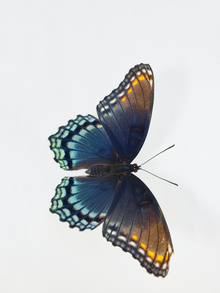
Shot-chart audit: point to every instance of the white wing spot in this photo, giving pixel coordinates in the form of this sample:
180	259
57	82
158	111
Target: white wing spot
75	218
169	248
132	243
121	237
127	86
164	266
121	94
66	212
113	101
114	233
141	251
149	259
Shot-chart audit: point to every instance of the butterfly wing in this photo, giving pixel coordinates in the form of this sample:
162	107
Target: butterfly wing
136	223
82	143
83	202
126	112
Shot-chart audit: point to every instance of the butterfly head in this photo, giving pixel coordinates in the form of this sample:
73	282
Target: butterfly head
135	168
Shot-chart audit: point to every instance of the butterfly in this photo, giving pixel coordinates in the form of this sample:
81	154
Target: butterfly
110	194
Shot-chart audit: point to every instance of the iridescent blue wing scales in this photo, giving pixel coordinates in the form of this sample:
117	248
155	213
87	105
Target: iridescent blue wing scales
136	223
126	112
83	202
81	143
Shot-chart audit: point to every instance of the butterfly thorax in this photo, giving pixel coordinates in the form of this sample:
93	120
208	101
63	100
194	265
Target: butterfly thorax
111	170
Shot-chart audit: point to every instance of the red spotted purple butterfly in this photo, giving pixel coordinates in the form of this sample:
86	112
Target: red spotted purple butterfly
110	193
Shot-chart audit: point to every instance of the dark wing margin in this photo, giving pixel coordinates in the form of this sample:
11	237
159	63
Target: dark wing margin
82	143
83	202
136	223
126	112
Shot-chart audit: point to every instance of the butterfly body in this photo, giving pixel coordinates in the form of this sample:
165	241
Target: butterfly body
110	170
110	194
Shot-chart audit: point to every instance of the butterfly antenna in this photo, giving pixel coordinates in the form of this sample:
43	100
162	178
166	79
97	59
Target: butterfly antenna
154	174
159	177
158	154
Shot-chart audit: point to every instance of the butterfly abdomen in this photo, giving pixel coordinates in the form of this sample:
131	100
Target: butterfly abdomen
100	170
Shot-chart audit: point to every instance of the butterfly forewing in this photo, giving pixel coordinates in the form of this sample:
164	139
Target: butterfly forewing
126	112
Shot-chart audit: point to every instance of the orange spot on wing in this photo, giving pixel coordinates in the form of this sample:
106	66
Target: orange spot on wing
137	128
129	90
159	258
143	202
151	254
123	99
134	237
134	82
141	77
143	246
147	76
167	257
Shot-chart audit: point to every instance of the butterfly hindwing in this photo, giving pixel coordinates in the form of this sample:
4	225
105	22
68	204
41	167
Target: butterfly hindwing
126	112
136	223
83	202
81	143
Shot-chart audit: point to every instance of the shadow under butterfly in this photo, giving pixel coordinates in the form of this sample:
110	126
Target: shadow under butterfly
110	193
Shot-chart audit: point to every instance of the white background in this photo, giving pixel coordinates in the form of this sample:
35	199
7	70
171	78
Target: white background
59	59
